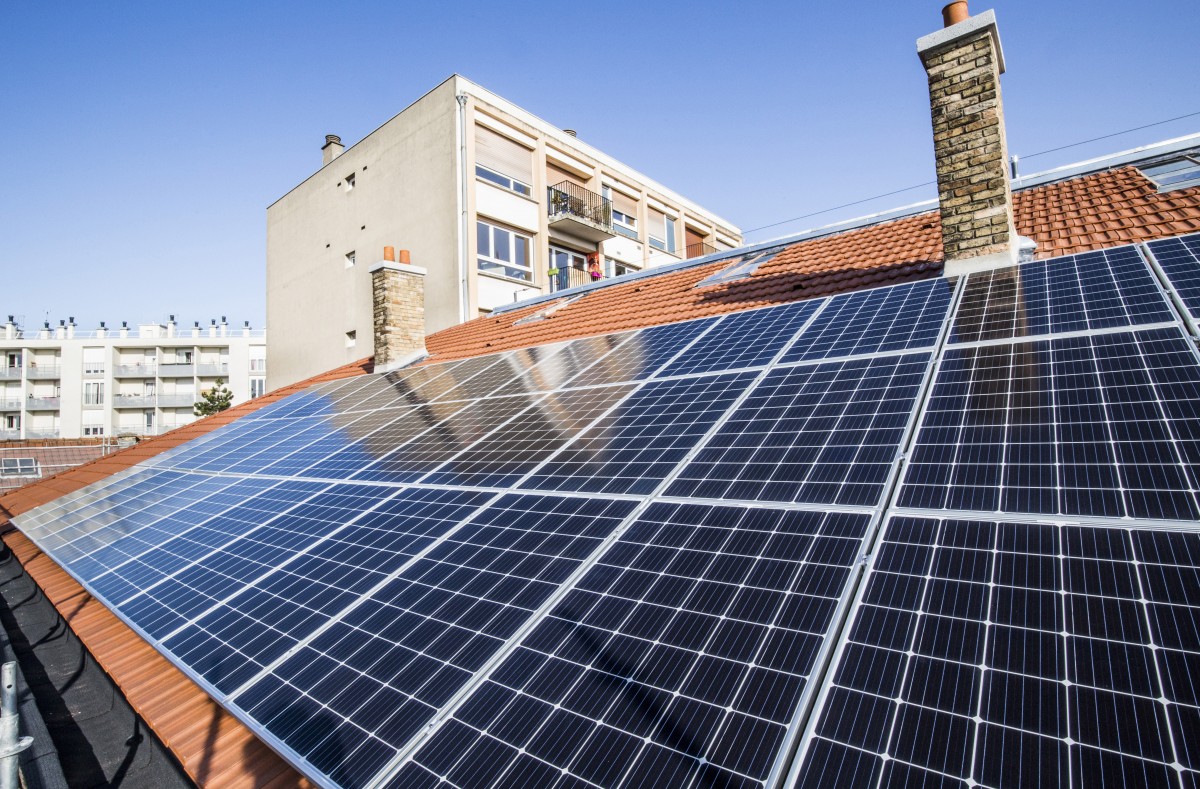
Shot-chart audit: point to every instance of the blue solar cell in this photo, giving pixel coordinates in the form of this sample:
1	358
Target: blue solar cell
642	355
1093	290
1100	425
1015	690
554	371
896	318
1180	260
408	647
823	434
685	649
632	449
745	339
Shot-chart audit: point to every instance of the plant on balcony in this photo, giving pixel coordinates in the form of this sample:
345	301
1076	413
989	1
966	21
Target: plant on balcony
214	400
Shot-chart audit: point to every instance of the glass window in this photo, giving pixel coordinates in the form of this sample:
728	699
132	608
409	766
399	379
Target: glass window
504	252
93	393
258	386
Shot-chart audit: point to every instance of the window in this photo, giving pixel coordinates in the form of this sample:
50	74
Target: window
351	338
349	182
503	162
624	212
504	252
350	258
93	393
738	268
615	268
257	387
12	422
93	361
661	233
258	360
19	467
1178	173
93	430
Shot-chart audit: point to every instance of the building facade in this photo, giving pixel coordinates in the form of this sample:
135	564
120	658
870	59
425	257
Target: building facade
64	383
494	203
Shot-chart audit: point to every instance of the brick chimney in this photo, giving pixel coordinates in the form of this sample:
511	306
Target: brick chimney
332	148
964	62
398	305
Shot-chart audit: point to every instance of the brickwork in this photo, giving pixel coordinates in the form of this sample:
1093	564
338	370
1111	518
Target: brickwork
398	304
970	146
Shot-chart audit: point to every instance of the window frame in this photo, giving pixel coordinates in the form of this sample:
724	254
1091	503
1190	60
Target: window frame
503	181
504	266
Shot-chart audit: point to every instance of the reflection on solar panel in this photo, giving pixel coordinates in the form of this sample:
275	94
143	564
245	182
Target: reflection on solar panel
941	532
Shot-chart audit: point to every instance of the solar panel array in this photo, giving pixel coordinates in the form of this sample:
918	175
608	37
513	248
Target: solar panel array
941	532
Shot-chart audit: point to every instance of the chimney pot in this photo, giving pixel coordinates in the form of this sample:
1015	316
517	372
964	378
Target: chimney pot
405	257
953	13
571	132
332	148
389	253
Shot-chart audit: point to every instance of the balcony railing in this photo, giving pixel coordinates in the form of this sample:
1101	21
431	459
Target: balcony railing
33	372
212	369
10	373
176	400
177	370
9	434
133	401
10	405
579	211
49	432
569	278
136	370
699	249
42	403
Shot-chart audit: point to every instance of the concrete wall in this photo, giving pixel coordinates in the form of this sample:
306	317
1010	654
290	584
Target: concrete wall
403	196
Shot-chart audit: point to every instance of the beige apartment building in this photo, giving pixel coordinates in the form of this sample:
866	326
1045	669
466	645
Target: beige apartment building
62	382
495	204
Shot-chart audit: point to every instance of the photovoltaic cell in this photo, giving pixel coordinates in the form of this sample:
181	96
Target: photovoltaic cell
408	648
678	658
1016	655
556	370
897	318
643	354
745	339
517	447
632	449
1180	261
1105	425
1093	290
380	434
821	434
325	556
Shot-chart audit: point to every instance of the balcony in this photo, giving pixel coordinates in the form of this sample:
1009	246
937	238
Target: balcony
10	373
569	277
133	401
10	405
136	370
699	249
10	434
42	432
42	403
35	373
177	400
579	213
177	370
212	369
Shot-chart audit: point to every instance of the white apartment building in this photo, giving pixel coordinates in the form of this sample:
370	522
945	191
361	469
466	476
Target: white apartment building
493	202
64	383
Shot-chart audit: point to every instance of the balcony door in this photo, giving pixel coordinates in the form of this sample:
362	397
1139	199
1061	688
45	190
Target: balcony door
695	243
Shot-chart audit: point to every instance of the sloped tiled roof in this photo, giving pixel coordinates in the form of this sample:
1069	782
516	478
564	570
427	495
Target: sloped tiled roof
1090	212
214	747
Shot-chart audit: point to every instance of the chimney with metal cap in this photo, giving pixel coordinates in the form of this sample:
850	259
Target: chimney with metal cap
332	148
964	62
398	306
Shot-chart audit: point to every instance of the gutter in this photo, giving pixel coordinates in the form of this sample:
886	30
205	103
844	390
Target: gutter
460	136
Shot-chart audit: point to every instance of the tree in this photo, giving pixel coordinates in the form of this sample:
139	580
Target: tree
213	401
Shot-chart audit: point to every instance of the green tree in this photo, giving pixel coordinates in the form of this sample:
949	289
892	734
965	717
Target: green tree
215	400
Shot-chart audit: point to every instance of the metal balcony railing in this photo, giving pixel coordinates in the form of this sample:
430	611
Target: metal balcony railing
699	249
176	400
10	373
136	370
133	401
33	372
49	432
566	199
212	369
569	278
42	403
177	370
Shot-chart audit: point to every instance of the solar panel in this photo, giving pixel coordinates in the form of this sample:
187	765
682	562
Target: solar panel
823	434
679	657
1099	425
1090	291
1016	654
657	556
1179	259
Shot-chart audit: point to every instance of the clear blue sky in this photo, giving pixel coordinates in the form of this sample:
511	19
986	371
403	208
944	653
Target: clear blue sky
146	139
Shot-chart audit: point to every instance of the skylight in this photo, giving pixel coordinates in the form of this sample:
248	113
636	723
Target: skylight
1179	173
739	269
